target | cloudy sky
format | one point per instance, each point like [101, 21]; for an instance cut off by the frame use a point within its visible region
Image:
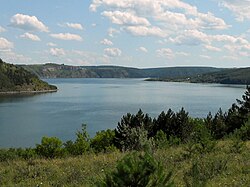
[135, 33]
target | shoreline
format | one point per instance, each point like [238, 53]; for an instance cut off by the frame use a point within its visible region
[27, 92]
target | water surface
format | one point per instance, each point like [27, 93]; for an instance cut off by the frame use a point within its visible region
[100, 103]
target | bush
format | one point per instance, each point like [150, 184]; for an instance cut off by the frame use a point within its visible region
[244, 132]
[103, 141]
[161, 140]
[50, 147]
[204, 170]
[136, 139]
[137, 169]
[81, 144]
[201, 138]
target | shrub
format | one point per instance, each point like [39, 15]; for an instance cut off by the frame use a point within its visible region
[81, 145]
[237, 146]
[137, 169]
[136, 139]
[204, 170]
[50, 147]
[244, 132]
[201, 138]
[161, 140]
[7, 154]
[103, 141]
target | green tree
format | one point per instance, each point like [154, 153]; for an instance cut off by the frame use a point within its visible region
[218, 128]
[130, 121]
[244, 107]
[50, 147]
[164, 122]
[81, 145]
[103, 141]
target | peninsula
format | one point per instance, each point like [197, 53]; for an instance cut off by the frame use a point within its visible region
[15, 79]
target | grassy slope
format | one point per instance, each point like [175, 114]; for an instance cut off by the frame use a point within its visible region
[14, 78]
[86, 170]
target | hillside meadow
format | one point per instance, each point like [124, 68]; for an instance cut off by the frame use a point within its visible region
[225, 165]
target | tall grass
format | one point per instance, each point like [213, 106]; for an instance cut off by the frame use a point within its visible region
[222, 166]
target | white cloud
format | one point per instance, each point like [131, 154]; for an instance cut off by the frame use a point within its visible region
[57, 52]
[146, 31]
[205, 56]
[66, 36]
[5, 44]
[241, 9]
[51, 44]
[112, 32]
[182, 54]
[212, 48]
[191, 37]
[173, 14]
[112, 52]
[169, 53]
[125, 18]
[76, 26]
[92, 58]
[12, 57]
[27, 22]
[2, 29]
[165, 53]
[106, 42]
[142, 49]
[30, 36]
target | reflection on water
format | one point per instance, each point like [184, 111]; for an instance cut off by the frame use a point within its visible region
[20, 97]
[100, 103]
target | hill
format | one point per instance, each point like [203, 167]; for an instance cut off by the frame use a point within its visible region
[17, 79]
[228, 76]
[65, 71]
[225, 76]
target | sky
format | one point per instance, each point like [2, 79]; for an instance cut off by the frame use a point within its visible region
[133, 33]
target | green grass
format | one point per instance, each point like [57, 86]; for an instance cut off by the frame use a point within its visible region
[225, 165]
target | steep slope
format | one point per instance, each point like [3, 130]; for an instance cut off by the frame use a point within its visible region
[14, 79]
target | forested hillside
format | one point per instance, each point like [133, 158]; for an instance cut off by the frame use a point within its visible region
[14, 78]
[224, 76]
[228, 76]
[65, 71]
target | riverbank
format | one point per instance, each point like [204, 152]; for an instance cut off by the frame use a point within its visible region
[27, 92]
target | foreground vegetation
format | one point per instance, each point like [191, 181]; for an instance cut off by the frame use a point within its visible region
[225, 165]
[17, 79]
[170, 150]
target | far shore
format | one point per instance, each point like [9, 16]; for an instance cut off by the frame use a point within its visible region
[27, 92]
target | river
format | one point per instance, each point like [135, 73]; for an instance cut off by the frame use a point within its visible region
[100, 103]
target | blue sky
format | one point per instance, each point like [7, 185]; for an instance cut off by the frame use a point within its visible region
[135, 33]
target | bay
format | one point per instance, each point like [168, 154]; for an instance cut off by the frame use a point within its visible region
[100, 103]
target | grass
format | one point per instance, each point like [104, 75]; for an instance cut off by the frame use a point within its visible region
[223, 166]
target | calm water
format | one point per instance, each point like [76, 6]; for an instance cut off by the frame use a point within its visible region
[100, 103]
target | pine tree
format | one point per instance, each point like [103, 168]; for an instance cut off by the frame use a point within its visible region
[128, 122]
[137, 170]
[244, 107]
